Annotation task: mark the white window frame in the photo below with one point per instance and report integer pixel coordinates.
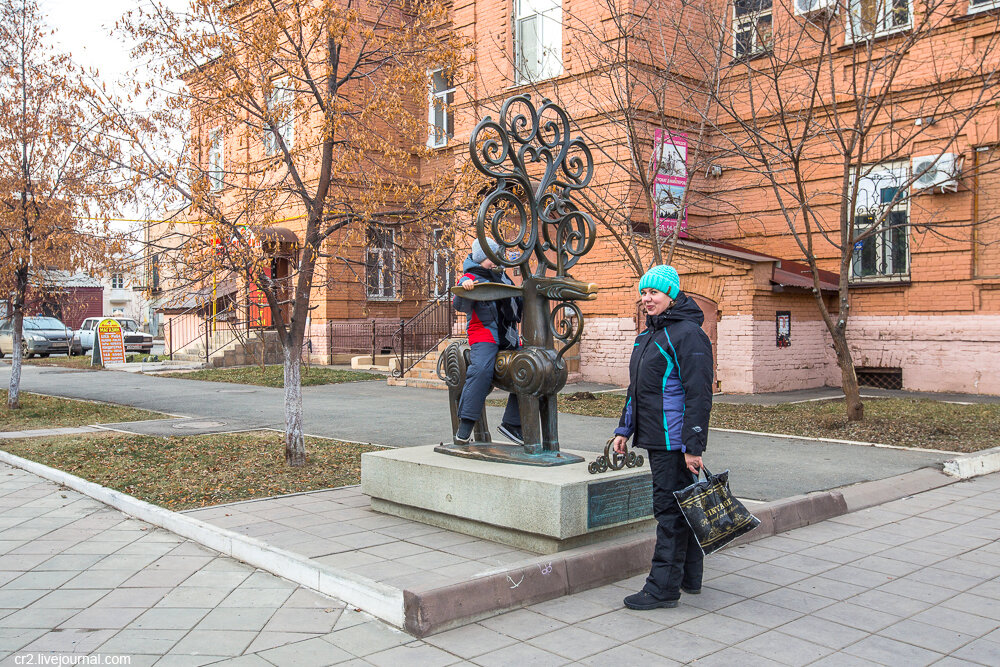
(441, 96)
(216, 160)
(442, 266)
(985, 5)
(117, 281)
(380, 256)
(282, 100)
(886, 19)
(537, 40)
(749, 19)
(877, 189)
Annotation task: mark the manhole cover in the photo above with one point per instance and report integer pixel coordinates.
(237, 391)
(198, 424)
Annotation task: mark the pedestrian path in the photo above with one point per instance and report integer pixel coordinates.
(45, 432)
(912, 582)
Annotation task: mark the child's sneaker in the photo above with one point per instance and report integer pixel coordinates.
(464, 435)
(512, 432)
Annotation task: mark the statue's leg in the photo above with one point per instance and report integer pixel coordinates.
(460, 353)
(530, 424)
(549, 414)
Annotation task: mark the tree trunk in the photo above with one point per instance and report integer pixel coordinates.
(849, 379)
(14, 389)
(295, 444)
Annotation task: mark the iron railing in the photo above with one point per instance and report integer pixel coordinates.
(419, 335)
(371, 337)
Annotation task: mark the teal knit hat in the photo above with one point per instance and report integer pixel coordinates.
(663, 278)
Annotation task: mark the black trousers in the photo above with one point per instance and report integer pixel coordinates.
(677, 559)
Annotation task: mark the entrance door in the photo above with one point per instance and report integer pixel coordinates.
(710, 326)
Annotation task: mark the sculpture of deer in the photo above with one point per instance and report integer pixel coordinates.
(535, 166)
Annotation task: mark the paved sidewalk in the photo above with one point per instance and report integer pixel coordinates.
(912, 582)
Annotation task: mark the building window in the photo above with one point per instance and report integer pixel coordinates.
(380, 263)
(537, 40)
(439, 117)
(874, 18)
(281, 112)
(751, 27)
(982, 5)
(881, 225)
(442, 266)
(117, 281)
(216, 164)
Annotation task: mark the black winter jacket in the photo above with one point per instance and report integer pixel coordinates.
(670, 382)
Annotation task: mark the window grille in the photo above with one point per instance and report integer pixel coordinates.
(880, 378)
(881, 224)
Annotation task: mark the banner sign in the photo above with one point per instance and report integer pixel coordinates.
(109, 344)
(670, 179)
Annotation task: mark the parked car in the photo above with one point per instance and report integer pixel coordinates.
(136, 340)
(41, 335)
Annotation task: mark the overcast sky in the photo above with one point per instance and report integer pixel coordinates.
(82, 29)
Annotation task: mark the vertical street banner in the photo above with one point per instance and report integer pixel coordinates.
(109, 343)
(670, 179)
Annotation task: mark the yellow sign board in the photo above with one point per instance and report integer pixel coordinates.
(109, 343)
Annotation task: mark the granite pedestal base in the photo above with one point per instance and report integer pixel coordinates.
(544, 510)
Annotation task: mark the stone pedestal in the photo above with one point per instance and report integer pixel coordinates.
(544, 510)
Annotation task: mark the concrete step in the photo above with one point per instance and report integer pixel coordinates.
(415, 382)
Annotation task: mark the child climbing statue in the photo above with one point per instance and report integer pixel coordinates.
(492, 326)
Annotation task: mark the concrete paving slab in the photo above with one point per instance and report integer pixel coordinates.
(782, 623)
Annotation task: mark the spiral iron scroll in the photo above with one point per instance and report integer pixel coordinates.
(550, 226)
(612, 460)
(567, 330)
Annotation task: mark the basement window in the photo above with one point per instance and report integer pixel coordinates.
(880, 377)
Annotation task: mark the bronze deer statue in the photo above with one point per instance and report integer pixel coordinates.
(535, 166)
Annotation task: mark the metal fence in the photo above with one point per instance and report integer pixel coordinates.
(371, 337)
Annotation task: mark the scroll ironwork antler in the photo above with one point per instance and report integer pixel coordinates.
(550, 227)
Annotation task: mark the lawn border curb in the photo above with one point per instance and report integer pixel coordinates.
(376, 598)
(973, 465)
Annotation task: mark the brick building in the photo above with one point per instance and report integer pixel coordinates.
(924, 286)
(924, 310)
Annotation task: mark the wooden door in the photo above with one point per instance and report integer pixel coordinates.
(710, 325)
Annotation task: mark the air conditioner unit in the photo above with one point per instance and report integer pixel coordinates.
(811, 7)
(937, 172)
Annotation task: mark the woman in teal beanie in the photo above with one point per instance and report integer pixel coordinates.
(666, 412)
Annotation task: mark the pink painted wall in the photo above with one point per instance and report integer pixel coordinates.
(959, 353)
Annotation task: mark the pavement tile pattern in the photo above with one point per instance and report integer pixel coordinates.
(338, 528)
(912, 582)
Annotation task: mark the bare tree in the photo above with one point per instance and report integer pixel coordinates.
(297, 113)
(54, 195)
(824, 114)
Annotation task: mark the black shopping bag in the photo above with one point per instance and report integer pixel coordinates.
(713, 512)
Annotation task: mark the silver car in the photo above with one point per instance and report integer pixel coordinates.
(41, 335)
(136, 340)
